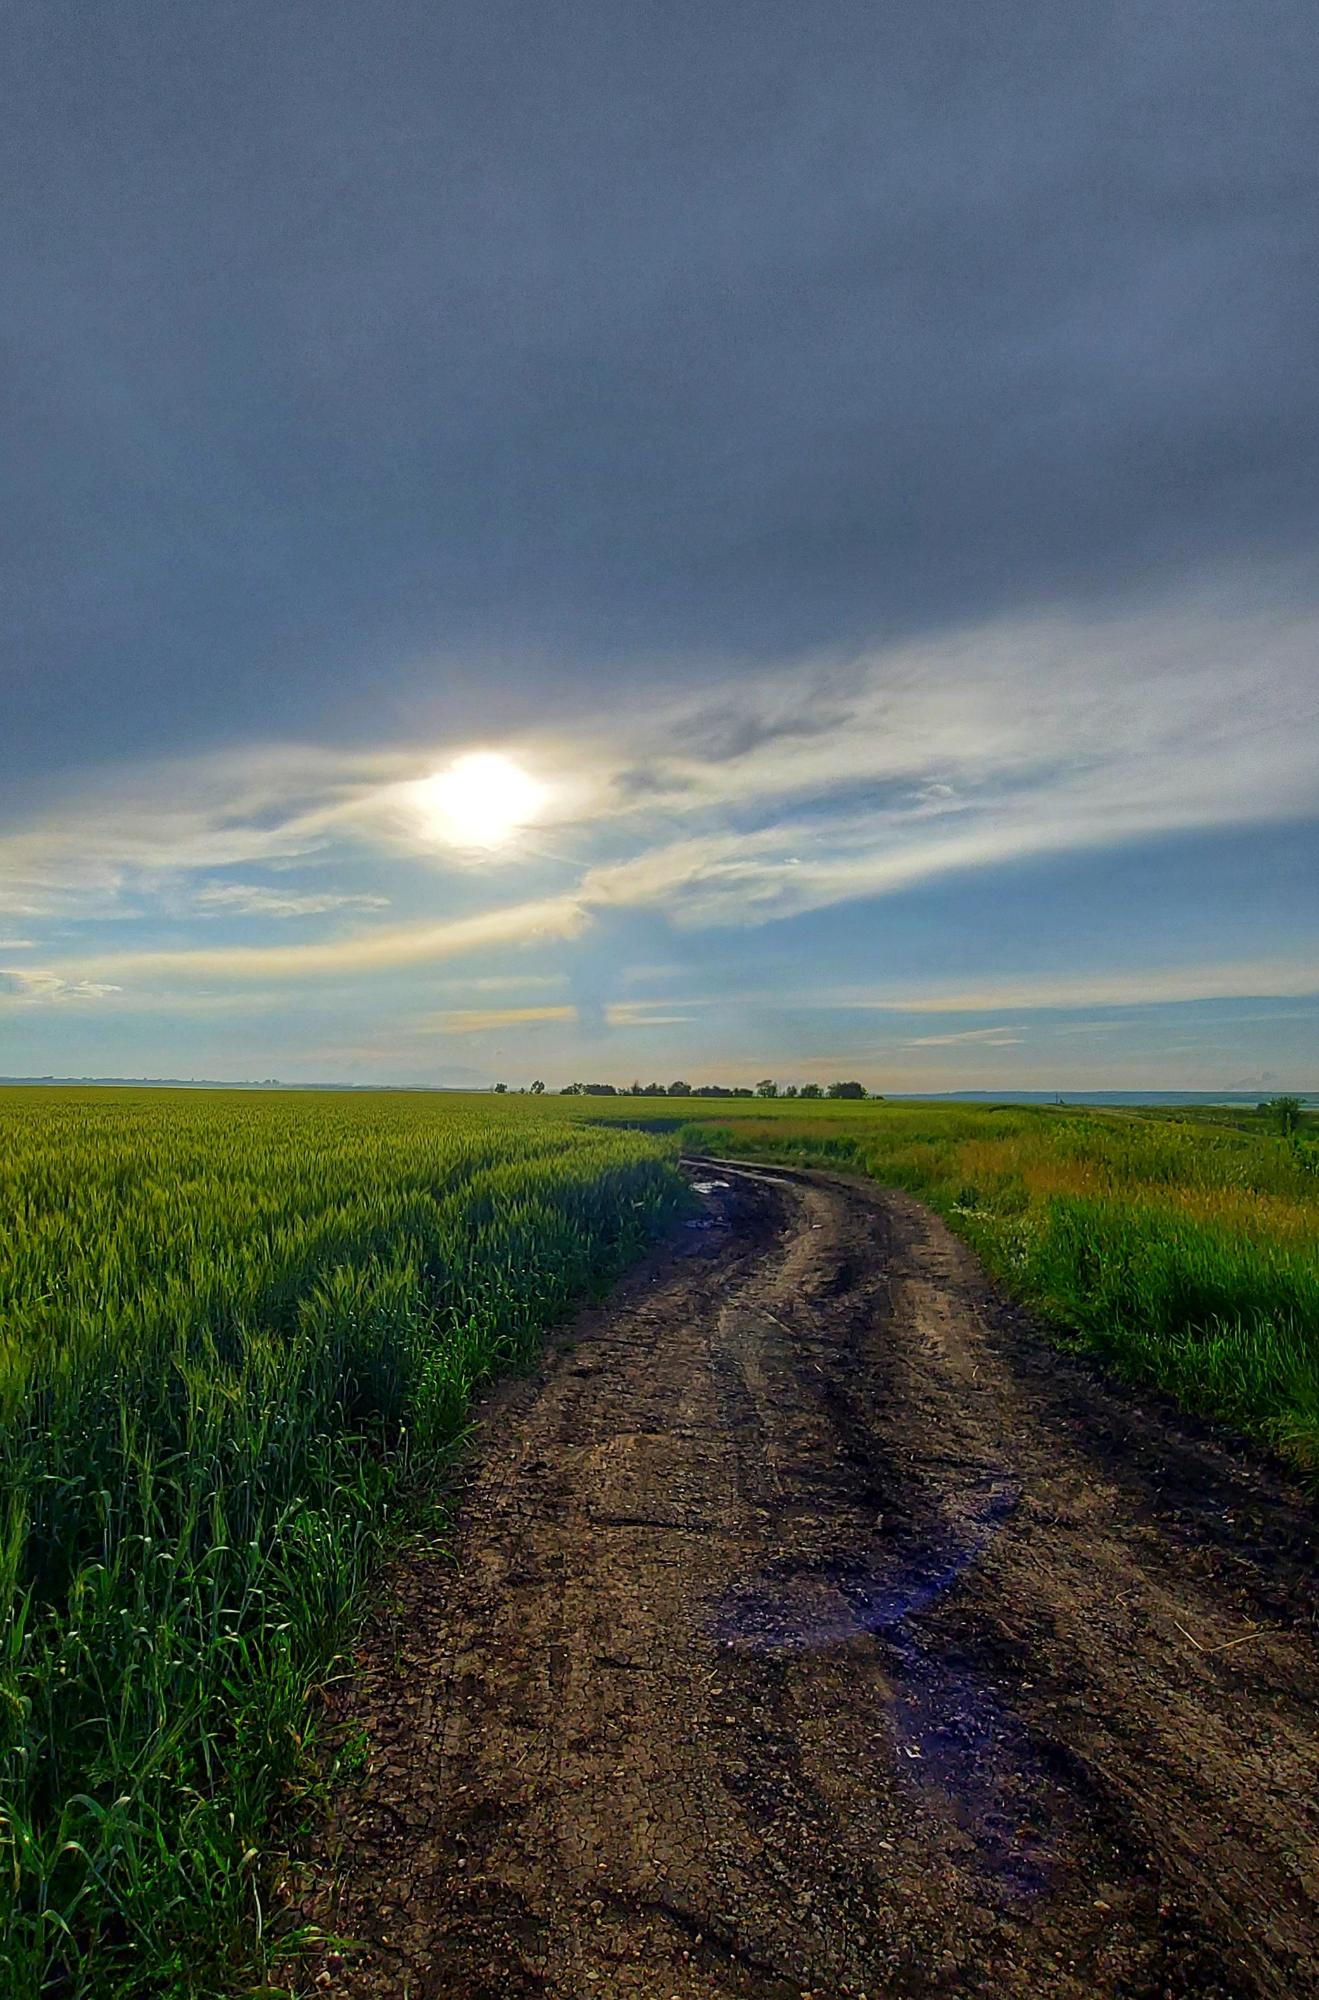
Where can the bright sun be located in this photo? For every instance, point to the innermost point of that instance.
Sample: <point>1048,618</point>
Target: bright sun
<point>481,800</point>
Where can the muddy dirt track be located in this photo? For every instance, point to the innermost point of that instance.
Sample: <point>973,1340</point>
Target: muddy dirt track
<point>815,1629</point>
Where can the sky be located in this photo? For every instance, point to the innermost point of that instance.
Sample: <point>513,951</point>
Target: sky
<point>709,542</point>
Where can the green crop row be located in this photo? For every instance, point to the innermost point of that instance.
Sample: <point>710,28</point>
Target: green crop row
<point>235,1333</point>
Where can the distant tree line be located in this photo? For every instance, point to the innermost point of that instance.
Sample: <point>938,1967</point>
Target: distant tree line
<point>767,1087</point>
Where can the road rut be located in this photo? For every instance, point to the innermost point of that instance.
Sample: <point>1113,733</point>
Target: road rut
<point>813,1628</point>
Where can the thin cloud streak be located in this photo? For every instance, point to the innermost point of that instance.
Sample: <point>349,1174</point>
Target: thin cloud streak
<point>46,988</point>
<point>482,1020</point>
<point>369,951</point>
<point>990,1038</point>
<point>640,1014</point>
<point>1258,980</point>
<point>619,1014</point>
<point>250,899</point>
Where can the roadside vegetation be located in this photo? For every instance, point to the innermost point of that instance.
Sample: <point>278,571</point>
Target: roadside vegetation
<point>1183,1249</point>
<point>238,1335</point>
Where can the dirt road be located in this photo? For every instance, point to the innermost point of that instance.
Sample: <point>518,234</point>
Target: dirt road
<point>815,1629</point>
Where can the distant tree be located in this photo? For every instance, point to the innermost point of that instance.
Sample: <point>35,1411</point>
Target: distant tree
<point>653,1090</point>
<point>501,1090</point>
<point>767,1087</point>
<point>811,1090</point>
<point>680,1090</point>
<point>538,1088</point>
<point>1285,1114</point>
<point>789,1090</point>
<point>572,1090</point>
<point>743,1090</point>
<point>847,1090</point>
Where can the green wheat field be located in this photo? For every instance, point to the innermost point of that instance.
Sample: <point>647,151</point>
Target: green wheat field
<point>241,1335</point>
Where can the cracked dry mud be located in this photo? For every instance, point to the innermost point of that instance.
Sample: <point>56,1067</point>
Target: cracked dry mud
<point>813,1628</point>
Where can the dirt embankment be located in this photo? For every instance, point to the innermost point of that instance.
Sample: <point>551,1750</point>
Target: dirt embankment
<point>814,1629</point>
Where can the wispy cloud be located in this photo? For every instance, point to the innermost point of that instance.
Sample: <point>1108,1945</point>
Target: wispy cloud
<point>1001,701</point>
<point>47,988</point>
<point>618,1014</point>
<point>484,1020</point>
<point>990,1038</point>
<point>646,1014</point>
<point>1039,738</point>
<point>1255,979</point>
<point>516,982</point>
<point>250,899</point>
<point>374,950</point>
<point>128,833</point>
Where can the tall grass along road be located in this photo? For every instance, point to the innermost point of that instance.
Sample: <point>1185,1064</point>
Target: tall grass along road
<point>816,1628</point>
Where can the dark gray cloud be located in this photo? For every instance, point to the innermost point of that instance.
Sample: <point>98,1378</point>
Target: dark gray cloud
<point>382,368</point>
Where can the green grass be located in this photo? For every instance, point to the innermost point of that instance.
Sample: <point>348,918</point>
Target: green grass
<point>1183,1250</point>
<point>236,1333</point>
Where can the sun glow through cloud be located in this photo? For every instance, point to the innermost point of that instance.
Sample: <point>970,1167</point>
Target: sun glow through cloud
<point>481,800</point>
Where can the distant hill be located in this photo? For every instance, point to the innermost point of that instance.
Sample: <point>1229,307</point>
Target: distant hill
<point>1152,1097</point>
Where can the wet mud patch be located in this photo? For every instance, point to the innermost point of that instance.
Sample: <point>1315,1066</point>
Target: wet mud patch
<point>952,1731</point>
